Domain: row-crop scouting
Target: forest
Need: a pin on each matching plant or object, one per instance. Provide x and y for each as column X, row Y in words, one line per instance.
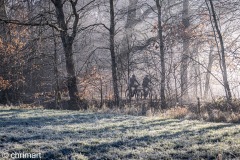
column 78, row 52
column 123, row 67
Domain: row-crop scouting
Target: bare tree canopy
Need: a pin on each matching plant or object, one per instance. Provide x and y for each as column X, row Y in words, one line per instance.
column 79, row 51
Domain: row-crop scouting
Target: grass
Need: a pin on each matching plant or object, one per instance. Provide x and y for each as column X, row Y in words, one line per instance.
column 77, row 135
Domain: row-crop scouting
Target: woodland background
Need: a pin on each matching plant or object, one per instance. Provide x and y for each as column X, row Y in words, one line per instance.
column 69, row 53
column 78, row 55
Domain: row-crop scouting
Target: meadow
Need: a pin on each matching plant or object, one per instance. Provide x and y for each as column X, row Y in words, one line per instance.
column 75, row 135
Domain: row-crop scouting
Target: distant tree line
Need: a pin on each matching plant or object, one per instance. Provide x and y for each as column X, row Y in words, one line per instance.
column 76, row 51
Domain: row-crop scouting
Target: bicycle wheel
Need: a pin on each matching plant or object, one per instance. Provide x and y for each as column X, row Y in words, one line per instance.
column 138, row 94
column 152, row 94
column 127, row 94
column 146, row 93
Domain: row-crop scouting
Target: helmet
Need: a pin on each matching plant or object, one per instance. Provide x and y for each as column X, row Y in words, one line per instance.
column 133, row 75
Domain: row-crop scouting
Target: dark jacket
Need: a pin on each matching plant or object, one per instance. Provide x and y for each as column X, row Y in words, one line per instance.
column 133, row 82
column 146, row 82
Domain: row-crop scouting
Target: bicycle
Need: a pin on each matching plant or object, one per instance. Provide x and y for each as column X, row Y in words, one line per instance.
column 148, row 92
column 136, row 92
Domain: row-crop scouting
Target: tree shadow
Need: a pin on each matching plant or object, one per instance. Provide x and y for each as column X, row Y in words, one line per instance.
column 102, row 149
column 16, row 112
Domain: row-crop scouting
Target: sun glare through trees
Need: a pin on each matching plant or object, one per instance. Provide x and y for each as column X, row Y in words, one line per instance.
column 167, row 59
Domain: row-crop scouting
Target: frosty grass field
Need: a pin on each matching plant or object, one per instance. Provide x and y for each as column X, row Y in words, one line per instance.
column 76, row 135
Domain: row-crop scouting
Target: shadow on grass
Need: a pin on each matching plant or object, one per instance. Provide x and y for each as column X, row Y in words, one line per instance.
column 218, row 126
column 13, row 120
column 126, row 127
column 13, row 112
column 103, row 150
column 146, row 141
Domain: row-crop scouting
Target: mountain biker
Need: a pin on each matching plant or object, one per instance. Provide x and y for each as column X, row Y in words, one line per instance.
column 132, row 85
column 145, row 84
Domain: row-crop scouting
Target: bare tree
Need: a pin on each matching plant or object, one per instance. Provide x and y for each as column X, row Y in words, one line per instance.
column 2, row 39
column 3, row 15
column 209, row 69
column 162, row 54
column 113, row 56
column 222, row 50
column 67, row 37
column 56, row 72
column 185, row 54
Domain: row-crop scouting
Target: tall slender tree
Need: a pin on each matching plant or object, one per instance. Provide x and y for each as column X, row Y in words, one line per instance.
column 209, row 69
column 127, row 40
column 113, row 55
column 185, row 55
column 162, row 54
column 2, row 39
column 222, row 50
column 3, row 15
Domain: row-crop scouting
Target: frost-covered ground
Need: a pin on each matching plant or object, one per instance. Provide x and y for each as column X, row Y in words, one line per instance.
column 75, row 135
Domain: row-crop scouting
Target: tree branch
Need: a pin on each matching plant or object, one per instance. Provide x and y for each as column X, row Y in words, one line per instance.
column 17, row 22
column 86, row 5
column 93, row 25
column 145, row 44
column 76, row 20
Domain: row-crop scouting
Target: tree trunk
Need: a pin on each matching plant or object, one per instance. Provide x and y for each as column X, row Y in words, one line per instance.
column 3, row 37
column 124, row 57
column 209, row 69
column 131, row 17
column 71, row 79
column 196, row 71
column 56, row 74
column 4, row 16
column 223, row 62
column 113, row 57
column 162, row 55
column 101, row 92
column 185, row 55
column 127, row 40
column 67, row 42
column 199, row 78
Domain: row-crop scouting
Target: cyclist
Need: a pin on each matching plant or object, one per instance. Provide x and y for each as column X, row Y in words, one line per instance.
column 145, row 84
column 133, row 85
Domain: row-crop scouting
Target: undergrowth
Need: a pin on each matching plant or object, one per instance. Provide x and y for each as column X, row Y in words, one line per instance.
column 77, row 135
column 219, row 110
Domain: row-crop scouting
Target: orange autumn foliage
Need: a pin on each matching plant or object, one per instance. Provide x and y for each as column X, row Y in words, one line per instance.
column 4, row 84
column 12, row 56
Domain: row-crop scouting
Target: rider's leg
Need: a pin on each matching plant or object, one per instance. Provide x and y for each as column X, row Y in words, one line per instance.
column 132, row 91
column 136, row 91
column 145, row 92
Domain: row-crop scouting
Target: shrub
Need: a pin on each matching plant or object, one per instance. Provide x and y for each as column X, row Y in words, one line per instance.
column 177, row 112
column 221, row 110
